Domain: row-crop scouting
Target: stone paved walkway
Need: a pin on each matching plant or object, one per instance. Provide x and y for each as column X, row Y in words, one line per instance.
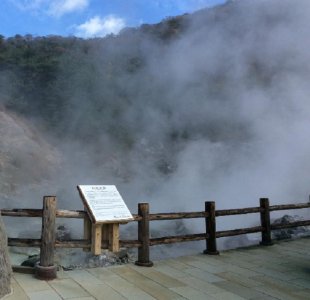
column 281, row 271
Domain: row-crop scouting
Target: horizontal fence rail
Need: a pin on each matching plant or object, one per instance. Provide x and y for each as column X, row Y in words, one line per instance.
column 235, row 232
column 238, row 211
column 143, row 218
column 288, row 206
column 176, row 216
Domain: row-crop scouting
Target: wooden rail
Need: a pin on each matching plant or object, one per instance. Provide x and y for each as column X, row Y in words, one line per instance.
column 49, row 213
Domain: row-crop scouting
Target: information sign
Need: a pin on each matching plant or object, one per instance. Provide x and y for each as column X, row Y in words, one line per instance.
column 104, row 204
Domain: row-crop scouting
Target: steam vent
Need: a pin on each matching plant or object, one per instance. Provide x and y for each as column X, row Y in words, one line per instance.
column 5, row 265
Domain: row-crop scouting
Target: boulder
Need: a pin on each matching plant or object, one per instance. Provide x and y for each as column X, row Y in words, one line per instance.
column 289, row 233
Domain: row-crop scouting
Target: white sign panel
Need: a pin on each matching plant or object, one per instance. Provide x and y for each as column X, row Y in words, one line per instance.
column 105, row 203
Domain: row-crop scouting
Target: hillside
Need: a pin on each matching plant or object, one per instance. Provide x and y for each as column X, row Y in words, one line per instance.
column 218, row 98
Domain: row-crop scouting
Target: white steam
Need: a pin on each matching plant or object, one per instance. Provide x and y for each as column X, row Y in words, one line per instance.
column 220, row 112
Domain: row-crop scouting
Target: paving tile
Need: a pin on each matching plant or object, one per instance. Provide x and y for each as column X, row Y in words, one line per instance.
column 125, row 288
column 276, row 293
column 176, row 264
column 276, row 283
column 190, row 293
column 276, row 274
column 127, row 270
column 264, row 297
column 63, row 274
column 305, row 294
column 83, row 298
column 227, row 296
column 206, row 287
column 278, row 267
column 144, row 270
column 212, row 260
column 68, row 288
column 46, row 295
column 170, row 271
column 82, row 276
column 244, row 265
column 164, row 279
column 237, row 289
column 157, row 291
column 203, row 275
column 149, row 286
column 18, row 293
column 242, row 280
column 31, row 284
column 206, row 267
column 102, row 273
column 102, row 292
column 242, row 271
column 301, row 282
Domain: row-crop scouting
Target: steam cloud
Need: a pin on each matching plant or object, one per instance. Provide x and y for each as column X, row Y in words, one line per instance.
column 219, row 112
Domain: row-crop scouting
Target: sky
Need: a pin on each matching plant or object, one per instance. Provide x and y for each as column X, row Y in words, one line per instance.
column 88, row 18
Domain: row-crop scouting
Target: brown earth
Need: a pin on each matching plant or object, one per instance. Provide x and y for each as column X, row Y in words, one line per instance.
column 26, row 158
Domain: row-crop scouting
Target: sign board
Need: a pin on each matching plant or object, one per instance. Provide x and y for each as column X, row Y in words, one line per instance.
column 104, row 204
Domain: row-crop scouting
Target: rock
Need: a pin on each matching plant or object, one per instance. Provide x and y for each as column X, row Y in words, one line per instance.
column 289, row 233
column 63, row 233
column 31, row 261
column 70, row 259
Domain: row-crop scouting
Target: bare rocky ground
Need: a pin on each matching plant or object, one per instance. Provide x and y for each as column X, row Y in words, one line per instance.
column 25, row 157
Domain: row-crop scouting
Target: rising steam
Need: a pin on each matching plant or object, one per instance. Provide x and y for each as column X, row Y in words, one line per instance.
column 219, row 111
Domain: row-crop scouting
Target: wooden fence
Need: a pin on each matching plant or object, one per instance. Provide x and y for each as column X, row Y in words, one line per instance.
column 49, row 213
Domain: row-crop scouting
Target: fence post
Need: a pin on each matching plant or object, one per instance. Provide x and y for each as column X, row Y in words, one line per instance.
column 210, row 228
column 144, row 236
column 265, row 222
column 87, row 229
column 45, row 269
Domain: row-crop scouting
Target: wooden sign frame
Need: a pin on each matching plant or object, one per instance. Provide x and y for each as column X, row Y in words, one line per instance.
column 103, row 230
column 90, row 209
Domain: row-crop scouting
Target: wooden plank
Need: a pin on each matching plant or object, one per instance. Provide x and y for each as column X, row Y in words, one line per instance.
column 290, row 225
column 136, row 217
column 237, row 211
column 24, row 270
column 130, row 243
column 235, row 232
column 96, row 239
column 18, row 242
column 178, row 239
column 76, row 243
column 175, row 216
column 289, row 206
column 114, row 237
column 76, row 214
column 21, row 212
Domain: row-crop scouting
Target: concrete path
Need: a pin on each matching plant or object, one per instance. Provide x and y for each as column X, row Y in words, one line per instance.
column 281, row 271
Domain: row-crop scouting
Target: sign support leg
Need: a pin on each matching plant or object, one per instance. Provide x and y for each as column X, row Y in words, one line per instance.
column 114, row 237
column 96, row 239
